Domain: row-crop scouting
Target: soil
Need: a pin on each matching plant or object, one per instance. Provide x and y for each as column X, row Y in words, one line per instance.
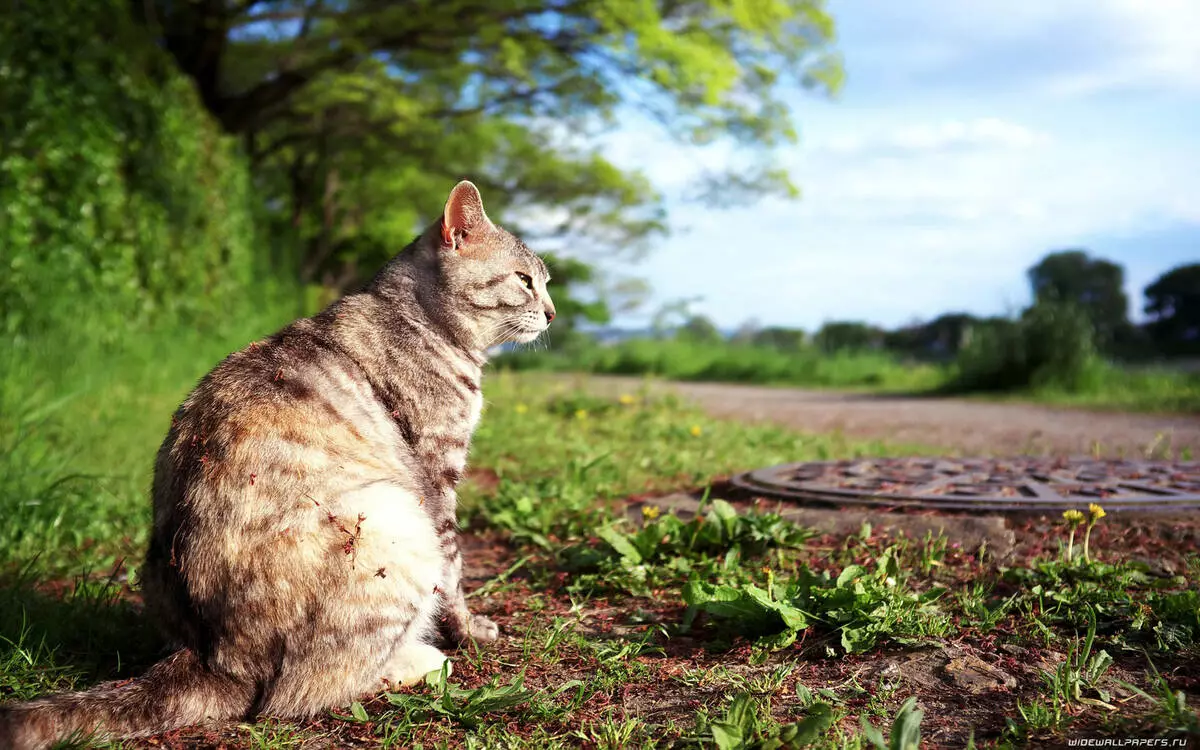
column 966, row 684
column 971, row 427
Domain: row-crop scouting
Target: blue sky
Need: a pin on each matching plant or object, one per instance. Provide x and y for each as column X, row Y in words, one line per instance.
column 970, row 139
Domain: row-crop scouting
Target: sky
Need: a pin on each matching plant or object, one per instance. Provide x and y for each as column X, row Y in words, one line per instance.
column 970, row 139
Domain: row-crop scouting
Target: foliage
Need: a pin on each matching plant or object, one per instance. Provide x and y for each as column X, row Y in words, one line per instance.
column 864, row 606
column 123, row 203
column 1093, row 285
column 357, row 114
column 701, row 330
column 743, row 728
column 1173, row 305
column 839, row 336
column 777, row 337
column 1124, row 598
column 732, row 362
column 666, row 549
column 939, row 338
column 1050, row 347
column 906, row 730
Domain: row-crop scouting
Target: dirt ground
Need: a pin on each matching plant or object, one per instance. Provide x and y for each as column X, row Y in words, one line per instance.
column 969, row 427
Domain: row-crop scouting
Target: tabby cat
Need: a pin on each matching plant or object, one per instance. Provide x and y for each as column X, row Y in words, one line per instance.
column 305, row 546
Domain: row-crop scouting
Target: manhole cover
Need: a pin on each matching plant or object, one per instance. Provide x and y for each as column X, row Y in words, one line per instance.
column 1004, row 484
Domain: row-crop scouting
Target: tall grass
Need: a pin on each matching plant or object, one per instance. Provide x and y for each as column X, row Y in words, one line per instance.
column 736, row 363
column 80, row 420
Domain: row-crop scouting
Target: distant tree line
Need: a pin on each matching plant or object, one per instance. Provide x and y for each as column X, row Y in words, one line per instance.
column 1092, row 286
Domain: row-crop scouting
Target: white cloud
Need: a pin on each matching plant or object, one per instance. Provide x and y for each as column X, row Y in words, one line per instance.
column 951, row 135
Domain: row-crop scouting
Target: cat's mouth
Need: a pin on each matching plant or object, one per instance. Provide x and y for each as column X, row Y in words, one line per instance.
column 525, row 335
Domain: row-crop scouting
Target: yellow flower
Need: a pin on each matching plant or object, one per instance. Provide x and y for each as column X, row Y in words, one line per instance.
column 1096, row 512
column 650, row 512
column 522, row 408
column 626, row 399
column 581, row 414
column 695, row 430
column 1073, row 517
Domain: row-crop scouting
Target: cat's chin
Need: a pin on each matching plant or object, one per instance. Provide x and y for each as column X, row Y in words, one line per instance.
column 524, row 337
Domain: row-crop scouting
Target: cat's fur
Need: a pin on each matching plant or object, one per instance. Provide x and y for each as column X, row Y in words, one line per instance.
column 304, row 549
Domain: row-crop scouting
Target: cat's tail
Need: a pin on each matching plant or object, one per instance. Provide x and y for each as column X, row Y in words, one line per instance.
column 176, row 692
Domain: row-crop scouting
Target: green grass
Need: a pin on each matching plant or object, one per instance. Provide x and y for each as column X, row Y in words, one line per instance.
column 732, row 629
column 737, row 363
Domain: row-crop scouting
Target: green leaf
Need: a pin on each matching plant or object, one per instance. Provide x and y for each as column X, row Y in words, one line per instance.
column 727, row 736
column 849, row 574
column 358, row 712
column 621, row 543
column 812, row 728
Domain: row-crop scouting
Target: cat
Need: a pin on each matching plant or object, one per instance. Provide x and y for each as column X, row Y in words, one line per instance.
column 304, row 549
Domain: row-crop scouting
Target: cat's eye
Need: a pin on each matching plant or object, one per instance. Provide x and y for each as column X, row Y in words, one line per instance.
column 526, row 279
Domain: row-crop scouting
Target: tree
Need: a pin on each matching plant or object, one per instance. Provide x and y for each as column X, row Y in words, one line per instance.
column 777, row 337
column 1173, row 304
column 357, row 113
column 1095, row 285
column 847, row 336
column 700, row 330
column 940, row 338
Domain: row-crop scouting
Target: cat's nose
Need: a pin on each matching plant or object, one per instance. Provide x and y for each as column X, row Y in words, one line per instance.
column 549, row 315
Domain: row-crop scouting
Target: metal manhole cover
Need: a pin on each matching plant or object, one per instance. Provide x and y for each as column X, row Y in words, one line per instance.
column 1004, row 484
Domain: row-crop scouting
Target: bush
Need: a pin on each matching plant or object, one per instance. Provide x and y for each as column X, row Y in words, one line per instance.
column 1052, row 346
column 123, row 205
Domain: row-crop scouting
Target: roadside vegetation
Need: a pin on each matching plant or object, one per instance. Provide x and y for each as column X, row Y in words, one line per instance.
column 1050, row 353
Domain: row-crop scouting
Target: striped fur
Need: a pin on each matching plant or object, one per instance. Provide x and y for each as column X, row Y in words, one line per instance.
column 305, row 546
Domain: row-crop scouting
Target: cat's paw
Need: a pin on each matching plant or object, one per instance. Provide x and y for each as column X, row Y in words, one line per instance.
column 414, row 663
column 483, row 629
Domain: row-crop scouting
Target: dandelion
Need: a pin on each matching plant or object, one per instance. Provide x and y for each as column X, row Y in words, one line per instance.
column 651, row 512
column 1095, row 513
column 626, row 399
column 581, row 414
column 695, row 430
column 522, row 408
column 1073, row 519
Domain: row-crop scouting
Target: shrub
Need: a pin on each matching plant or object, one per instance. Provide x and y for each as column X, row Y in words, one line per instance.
column 1051, row 346
column 122, row 203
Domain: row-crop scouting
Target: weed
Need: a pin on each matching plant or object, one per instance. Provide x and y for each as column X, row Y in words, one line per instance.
column 863, row 606
column 906, row 729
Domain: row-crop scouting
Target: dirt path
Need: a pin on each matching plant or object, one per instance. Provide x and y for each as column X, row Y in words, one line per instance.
column 973, row 427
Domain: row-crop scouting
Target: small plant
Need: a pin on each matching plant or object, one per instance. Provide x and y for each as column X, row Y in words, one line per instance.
column 1170, row 706
column 906, row 729
column 1095, row 513
column 864, row 606
column 1081, row 671
column 666, row 548
column 743, row 728
column 1073, row 519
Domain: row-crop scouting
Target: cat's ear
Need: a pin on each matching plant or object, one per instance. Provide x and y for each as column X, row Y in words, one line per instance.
column 464, row 214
